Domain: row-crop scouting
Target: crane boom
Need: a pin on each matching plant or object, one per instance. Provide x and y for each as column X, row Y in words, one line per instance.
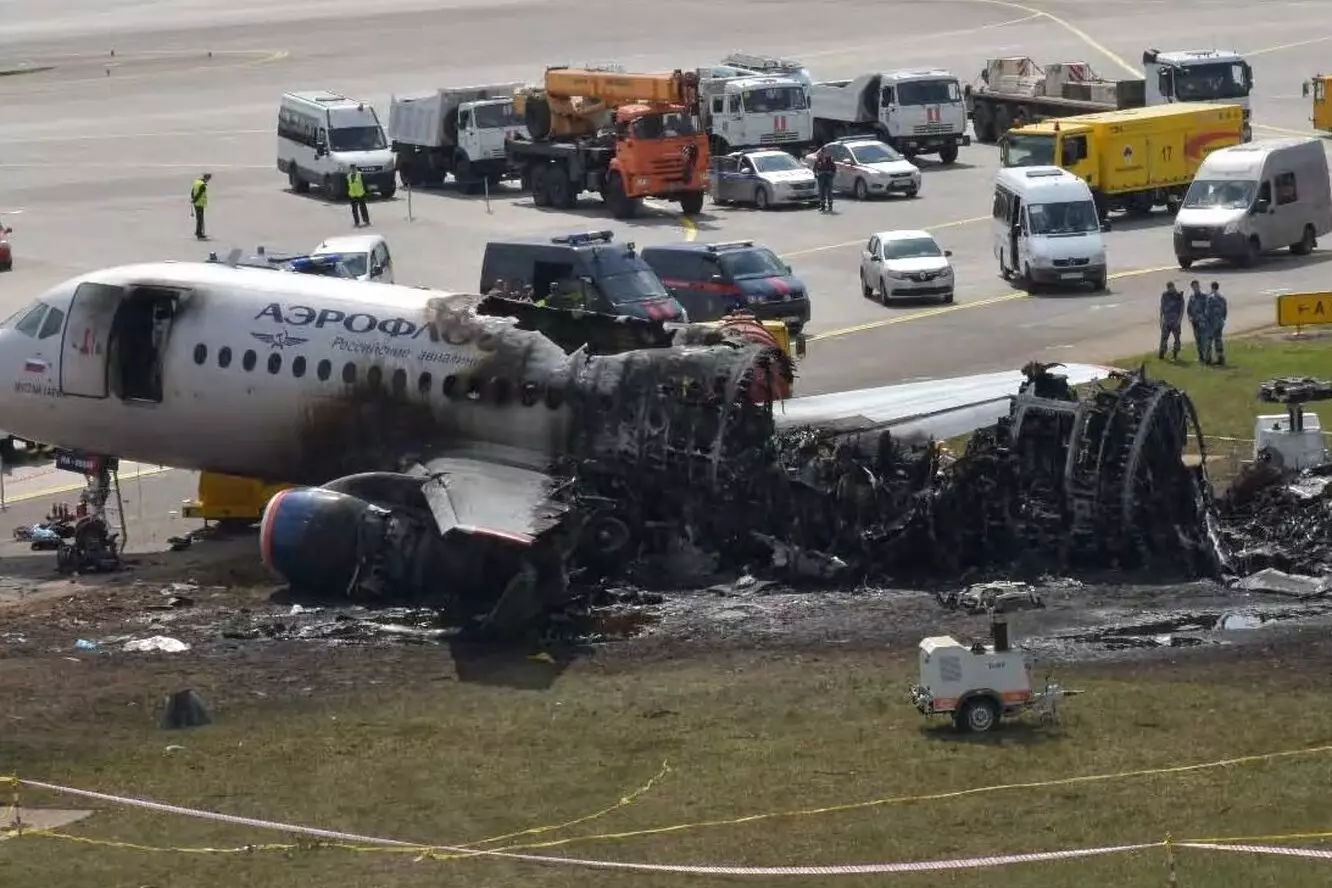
column 614, row 88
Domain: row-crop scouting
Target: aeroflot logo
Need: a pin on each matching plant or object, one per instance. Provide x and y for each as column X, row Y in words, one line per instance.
column 453, row 329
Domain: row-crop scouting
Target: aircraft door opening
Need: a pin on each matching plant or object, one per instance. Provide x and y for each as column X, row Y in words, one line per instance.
column 137, row 350
column 83, row 350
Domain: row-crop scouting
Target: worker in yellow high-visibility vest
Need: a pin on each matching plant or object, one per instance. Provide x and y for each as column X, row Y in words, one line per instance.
column 356, row 194
column 199, row 200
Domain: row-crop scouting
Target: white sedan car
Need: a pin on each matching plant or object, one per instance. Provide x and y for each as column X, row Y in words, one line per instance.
column 866, row 166
column 905, row 265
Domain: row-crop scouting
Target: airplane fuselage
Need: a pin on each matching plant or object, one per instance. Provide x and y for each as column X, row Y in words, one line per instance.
column 275, row 375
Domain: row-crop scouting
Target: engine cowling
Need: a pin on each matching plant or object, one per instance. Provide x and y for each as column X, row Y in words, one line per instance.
column 314, row 537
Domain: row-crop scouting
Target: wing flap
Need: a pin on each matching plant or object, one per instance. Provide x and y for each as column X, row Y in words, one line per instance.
column 941, row 408
column 476, row 496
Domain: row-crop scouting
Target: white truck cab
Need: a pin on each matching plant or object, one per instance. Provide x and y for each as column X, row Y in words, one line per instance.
column 916, row 111
column 321, row 135
column 1199, row 75
column 743, row 109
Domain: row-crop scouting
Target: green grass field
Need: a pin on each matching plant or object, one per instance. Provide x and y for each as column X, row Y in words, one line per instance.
column 754, row 735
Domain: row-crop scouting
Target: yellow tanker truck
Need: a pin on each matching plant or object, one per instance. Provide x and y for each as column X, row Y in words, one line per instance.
column 1133, row 160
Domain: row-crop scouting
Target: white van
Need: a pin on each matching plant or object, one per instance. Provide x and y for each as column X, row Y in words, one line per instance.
column 1253, row 198
column 322, row 134
column 1046, row 228
column 364, row 256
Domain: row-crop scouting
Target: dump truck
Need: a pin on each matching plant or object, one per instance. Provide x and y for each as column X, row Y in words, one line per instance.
column 1318, row 87
column 743, row 108
column 1133, row 160
column 916, row 111
column 458, row 131
column 1018, row 90
column 627, row 136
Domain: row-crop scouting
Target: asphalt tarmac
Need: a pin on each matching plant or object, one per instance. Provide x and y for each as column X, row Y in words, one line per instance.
column 97, row 153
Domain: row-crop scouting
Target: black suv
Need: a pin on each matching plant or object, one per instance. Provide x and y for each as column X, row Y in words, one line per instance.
column 713, row 280
column 613, row 278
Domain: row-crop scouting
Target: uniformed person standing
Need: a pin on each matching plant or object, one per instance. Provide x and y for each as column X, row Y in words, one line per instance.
column 825, row 171
column 1197, row 312
column 1171, row 318
column 199, row 200
column 356, row 195
column 1216, row 324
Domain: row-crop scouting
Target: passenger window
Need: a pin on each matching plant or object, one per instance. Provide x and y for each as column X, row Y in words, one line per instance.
column 54, row 323
column 718, row 104
column 249, row 359
column 423, row 384
column 298, row 366
column 349, row 373
column 224, row 357
column 1000, row 209
column 200, row 354
column 399, row 382
column 375, row 377
column 1265, row 193
column 887, row 95
column 1285, row 188
column 324, row 370
column 32, row 321
column 735, row 104
column 274, row 363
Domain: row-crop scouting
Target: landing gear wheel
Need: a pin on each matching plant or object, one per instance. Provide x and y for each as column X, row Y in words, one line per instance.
column 948, row 154
column 298, row 185
column 691, row 204
column 861, row 190
column 761, row 199
column 1307, row 242
column 979, row 715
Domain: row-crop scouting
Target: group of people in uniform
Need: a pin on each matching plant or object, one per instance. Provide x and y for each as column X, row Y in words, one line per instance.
column 555, row 296
column 1207, row 316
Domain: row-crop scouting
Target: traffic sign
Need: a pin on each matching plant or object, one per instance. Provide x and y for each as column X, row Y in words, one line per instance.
column 1304, row 309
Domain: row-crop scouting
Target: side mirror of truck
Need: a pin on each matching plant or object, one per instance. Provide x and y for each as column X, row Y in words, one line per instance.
column 948, row 254
column 1304, row 89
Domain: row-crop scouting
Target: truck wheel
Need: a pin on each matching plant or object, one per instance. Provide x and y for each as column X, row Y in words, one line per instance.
column 560, row 190
column 540, row 186
column 948, row 153
column 691, row 204
column 619, row 203
column 1003, row 120
column 298, row 185
column 1306, row 244
column 388, row 189
column 463, row 175
column 982, row 122
column 979, row 715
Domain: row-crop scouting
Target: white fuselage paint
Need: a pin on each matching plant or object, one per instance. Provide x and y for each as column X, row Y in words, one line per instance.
column 264, row 424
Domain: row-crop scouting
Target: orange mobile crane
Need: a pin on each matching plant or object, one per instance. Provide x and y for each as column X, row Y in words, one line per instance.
column 627, row 136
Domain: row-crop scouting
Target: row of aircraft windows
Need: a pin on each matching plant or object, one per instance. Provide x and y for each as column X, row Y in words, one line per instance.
column 451, row 387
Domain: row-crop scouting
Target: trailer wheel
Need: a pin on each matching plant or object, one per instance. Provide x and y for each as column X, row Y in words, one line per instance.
column 979, row 715
column 540, row 185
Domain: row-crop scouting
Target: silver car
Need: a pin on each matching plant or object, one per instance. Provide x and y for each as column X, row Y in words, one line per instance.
column 764, row 177
column 867, row 167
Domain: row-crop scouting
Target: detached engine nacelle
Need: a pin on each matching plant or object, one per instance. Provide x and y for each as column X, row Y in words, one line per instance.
column 329, row 543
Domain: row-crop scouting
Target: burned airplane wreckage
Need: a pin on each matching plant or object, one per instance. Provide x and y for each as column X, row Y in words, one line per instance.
column 664, row 440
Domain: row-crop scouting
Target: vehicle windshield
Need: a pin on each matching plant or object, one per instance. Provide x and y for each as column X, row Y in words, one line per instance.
column 753, row 263
column 356, row 264
column 497, row 116
column 1069, row 217
column 876, row 153
column 1216, row 80
column 928, row 92
column 632, row 286
column 775, row 163
column 357, row 138
column 1226, row 194
column 1028, row 150
column 911, row 248
column 775, row 98
column 663, row 126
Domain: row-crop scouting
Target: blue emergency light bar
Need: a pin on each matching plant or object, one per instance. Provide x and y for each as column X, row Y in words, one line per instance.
column 586, row 237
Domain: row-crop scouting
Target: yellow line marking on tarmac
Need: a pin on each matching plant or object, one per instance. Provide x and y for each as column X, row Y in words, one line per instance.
column 855, row 243
column 1289, row 132
column 174, row 134
column 691, row 230
column 1072, row 29
column 821, row 53
column 67, row 488
column 1281, row 46
column 962, row 306
column 266, row 56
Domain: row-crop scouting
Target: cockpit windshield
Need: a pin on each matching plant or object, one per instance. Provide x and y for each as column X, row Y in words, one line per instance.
column 38, row 320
